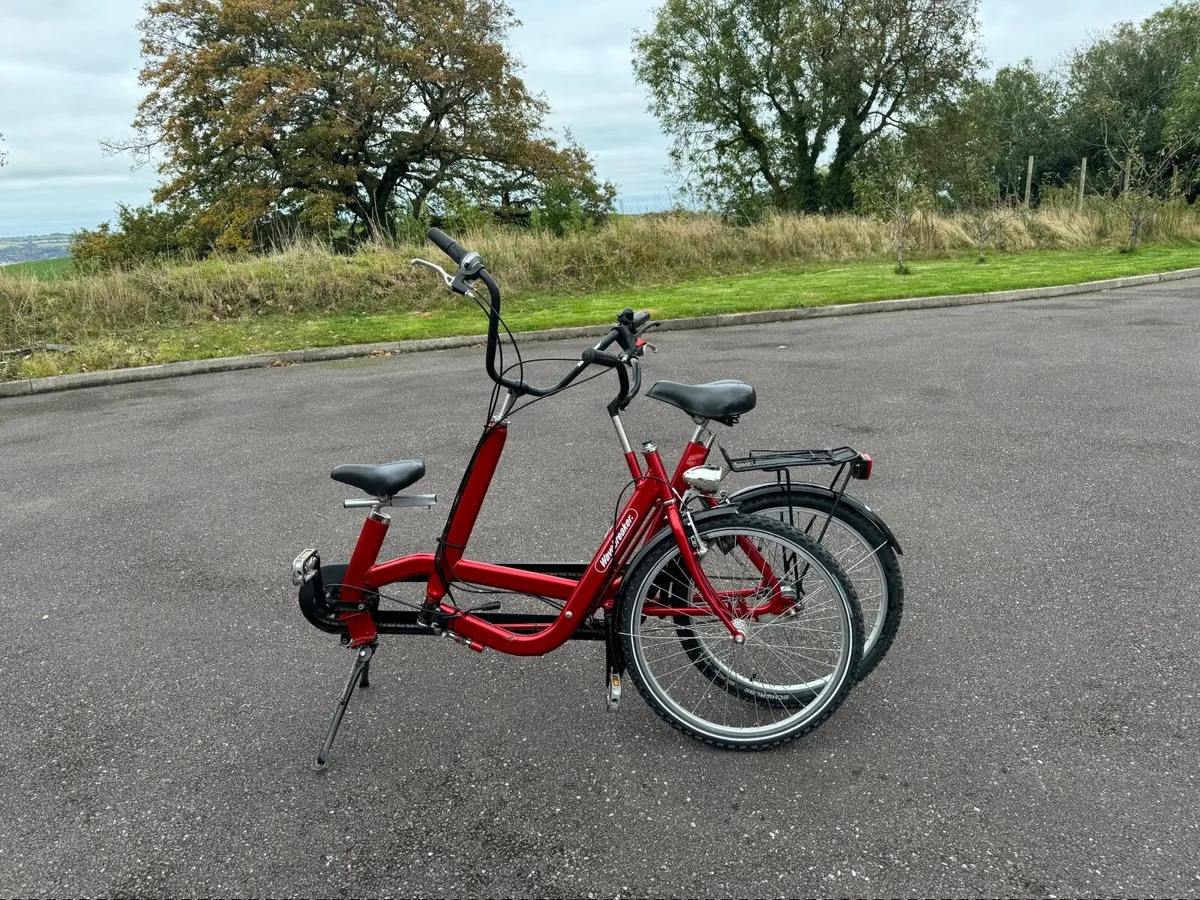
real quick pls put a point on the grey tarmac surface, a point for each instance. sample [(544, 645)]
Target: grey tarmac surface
[(1034, 730)]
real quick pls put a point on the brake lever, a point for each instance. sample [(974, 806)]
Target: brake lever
[(449, 280)]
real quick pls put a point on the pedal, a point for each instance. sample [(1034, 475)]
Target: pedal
[(305, 567), (614, 690)]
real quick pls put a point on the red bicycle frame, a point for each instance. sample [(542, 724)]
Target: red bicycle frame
[(653, 505)]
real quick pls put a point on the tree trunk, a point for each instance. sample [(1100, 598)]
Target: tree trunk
[(1134, 232), (839, 183)]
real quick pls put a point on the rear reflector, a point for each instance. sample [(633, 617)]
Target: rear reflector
[(863, 467)]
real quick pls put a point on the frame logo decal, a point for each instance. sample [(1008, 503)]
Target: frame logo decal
[(618, 539)]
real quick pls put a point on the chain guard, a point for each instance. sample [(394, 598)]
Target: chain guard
[(321, 611)]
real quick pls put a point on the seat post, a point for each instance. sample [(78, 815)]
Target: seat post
[(701, 431)]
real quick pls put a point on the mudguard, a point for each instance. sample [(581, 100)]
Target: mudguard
[(755, 492)]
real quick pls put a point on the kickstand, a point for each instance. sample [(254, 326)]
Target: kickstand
[(358, 676), (614, 666)]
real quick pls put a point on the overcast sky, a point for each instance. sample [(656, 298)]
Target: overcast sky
[(68, 77)]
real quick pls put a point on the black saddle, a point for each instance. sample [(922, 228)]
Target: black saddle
[(381, 481), (721, 400)]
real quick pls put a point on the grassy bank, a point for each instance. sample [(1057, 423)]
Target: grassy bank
[(438, 314)]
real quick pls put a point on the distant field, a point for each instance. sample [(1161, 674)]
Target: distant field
[(46, 268)]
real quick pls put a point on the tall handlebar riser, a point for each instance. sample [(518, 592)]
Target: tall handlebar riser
[(625, 333)]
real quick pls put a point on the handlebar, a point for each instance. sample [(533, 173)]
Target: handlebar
[(447, 244), (627, 332)]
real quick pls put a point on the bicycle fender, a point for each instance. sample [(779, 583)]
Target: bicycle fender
[(754, 492)]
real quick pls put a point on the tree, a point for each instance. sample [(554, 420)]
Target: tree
[(1132, 80), (892, 185), (1182, 129), (984, 138), (985, 219), (756, 93), (338, 113), (1016, 116), (143, 234), (1135, 187)]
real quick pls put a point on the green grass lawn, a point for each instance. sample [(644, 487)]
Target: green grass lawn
[(799, 287), (46, 268)]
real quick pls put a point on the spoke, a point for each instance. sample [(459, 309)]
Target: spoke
[(861, 560), (690, 662), (704, 696)]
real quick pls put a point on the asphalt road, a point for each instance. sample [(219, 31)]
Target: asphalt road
[(1034, 731)]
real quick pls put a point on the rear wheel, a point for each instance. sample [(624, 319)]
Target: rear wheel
[(859, 546), (789, 597)]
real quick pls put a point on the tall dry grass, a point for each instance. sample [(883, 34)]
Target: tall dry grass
[(306, 278)]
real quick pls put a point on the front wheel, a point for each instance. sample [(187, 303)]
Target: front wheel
[(789, 597)]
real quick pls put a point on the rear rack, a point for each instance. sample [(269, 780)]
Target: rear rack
[(781, 460)]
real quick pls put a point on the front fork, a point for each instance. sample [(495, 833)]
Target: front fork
[(690, 554), (614, 660)]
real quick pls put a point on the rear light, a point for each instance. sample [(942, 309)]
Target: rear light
[(863, 466)]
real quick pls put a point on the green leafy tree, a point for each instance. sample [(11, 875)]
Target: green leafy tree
[(1182, 116), (143, 234), (1016, 115), (1136, 80), (757, 93), (983, 139), (328, 113)]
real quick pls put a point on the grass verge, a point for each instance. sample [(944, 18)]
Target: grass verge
[(814, 285)]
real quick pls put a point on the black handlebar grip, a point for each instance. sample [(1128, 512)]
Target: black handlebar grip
[(592, 355), (448, 245)]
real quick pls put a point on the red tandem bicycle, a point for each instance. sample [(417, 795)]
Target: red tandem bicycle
[(743, 631)]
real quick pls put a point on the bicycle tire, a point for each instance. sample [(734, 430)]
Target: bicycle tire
[(814, 646), (860, 547)]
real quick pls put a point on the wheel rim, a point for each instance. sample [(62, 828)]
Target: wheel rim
[(857, 556), (792, 666)]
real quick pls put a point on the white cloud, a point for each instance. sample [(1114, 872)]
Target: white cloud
[(68, 77)]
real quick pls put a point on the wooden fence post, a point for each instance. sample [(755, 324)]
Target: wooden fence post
[(1028, 182), (1082, 182)]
